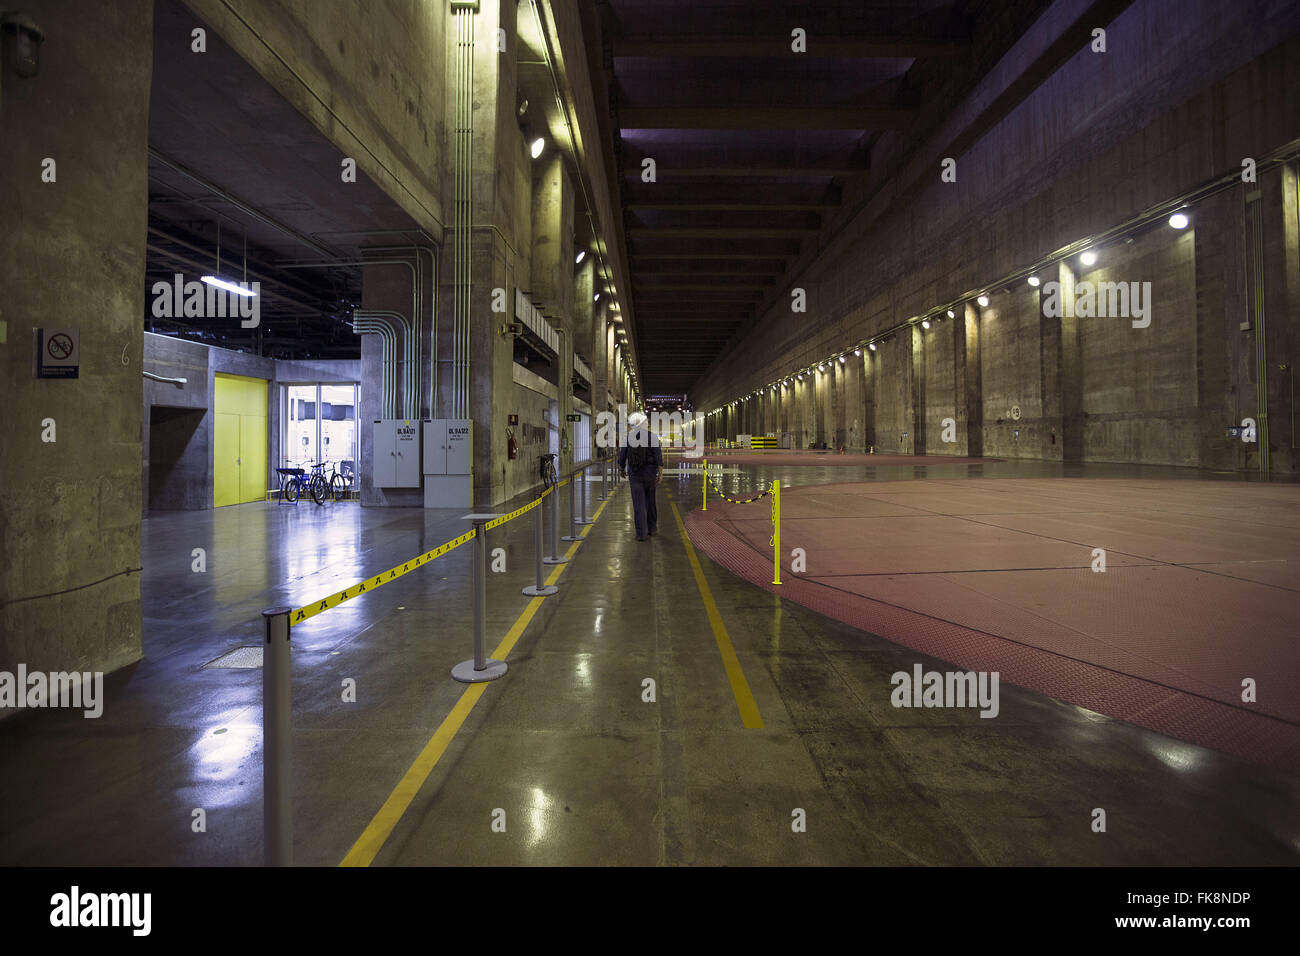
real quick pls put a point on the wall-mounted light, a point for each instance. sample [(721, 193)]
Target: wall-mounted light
[(1088, 258), (1033, 281), (596, 297), (925, 323), (857, 351), (582, 254), (1178, 221), (872, 346), (952, 314), (539, 144), (843, 360), (20, 43), (983, 301)]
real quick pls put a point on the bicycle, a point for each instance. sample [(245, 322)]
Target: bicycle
[(295, 481), (340, 483), (546, 465)]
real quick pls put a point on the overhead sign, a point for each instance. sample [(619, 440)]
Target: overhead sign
[(59, 353)]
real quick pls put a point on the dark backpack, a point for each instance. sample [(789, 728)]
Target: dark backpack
[(637, 457)]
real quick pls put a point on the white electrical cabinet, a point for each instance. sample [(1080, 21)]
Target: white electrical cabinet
[(448, 460), (396, 444)]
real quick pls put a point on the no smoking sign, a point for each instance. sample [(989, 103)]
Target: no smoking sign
[(58, 353)]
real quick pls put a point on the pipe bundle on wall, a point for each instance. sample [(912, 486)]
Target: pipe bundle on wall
[(464, 16)]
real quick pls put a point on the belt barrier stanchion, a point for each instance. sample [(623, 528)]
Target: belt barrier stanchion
[(573, 510), (705, 506), (277, 756), (480, 668), (556, 557), (540, 589), (584, 519), (776, 531), (604, 478)]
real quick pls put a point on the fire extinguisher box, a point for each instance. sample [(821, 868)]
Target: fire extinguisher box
[(448, 460)]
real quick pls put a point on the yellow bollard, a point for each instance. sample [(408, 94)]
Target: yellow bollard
[(706, 485), (776, 531)]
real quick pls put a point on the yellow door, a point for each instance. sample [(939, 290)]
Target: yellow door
[(252, 458), (225, 461), (240, 445)]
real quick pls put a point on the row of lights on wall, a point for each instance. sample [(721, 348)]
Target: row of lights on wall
[(613, 307), (1087, 258), (535, 150)]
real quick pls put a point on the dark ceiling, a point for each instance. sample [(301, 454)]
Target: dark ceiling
[(754, 143), (237, 174)]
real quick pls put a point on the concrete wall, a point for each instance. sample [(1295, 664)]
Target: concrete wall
[(1185, 92), (72, 254), (179, 477), (371, 77)]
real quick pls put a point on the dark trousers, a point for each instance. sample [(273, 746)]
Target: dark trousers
[(644, 508)]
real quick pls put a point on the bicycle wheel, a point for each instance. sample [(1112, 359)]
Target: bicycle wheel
[(291, 490), (338, 488), (318, 489)]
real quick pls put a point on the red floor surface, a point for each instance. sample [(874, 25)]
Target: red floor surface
[(801, 457), (1200, 590)]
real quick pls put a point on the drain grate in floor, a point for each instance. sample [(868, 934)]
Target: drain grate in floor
[(240, 657)]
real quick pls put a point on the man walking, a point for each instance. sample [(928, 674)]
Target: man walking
[(641, 460)]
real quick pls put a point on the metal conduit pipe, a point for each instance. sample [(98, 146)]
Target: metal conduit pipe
[(367, 262), (361, 327), (409, 403), (432, 250), (433, 318), (388, 339), (464, 156)]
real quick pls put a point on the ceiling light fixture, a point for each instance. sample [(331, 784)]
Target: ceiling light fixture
[(1178, 221), (228, 286), (539, 144), (983, 301), (1033, 281), (582, 254), (1088, 258)]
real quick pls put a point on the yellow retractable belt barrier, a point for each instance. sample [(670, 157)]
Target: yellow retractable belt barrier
[(301, 614), (774, 542)]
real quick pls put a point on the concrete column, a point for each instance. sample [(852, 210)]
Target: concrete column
[(72, 255), (971, 400), (1281, 277), (552, 282), (869, 367)]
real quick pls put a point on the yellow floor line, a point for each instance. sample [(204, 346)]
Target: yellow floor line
[(749, 715), (380, 828)]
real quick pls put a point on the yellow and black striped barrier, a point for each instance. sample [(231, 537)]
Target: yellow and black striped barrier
[(301, 614), (763, 441), (775, 491)]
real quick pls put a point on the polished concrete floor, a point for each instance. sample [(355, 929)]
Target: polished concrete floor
[(565, 750)]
